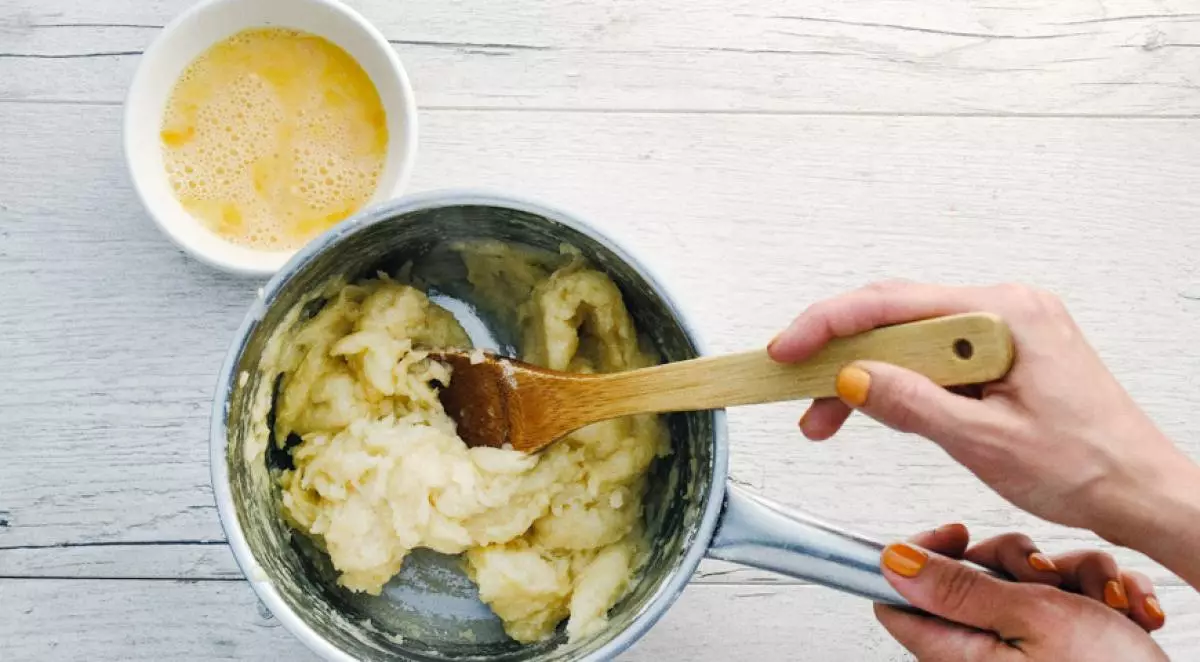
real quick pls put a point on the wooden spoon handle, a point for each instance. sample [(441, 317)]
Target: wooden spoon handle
[(971, 348)]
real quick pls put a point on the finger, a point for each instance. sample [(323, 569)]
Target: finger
[(1016, 555), (824, 418), (1094, 574), (949, 540), (864, 309), (1144, 608), (910, 402), (932, 639), (954, 591)]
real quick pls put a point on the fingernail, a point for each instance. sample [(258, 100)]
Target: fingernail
[(947, 528), (1041, 563), (904, 559), (852, 385), (1154, 609), (1114, 595), (775, 340)]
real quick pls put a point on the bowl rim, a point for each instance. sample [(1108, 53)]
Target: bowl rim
[(226, 256), (671, 587)]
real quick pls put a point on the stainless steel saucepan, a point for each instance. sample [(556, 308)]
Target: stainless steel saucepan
[(431, 611)]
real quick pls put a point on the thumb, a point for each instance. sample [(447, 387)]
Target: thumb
[(907, 401), (958, 592)]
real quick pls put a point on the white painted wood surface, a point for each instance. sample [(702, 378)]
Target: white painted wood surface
[(767, 153), (869, 56), (150, 621)]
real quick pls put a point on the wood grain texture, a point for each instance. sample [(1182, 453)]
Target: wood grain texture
[(496, 401), (764, 155), (202, 561), (109, 395), (66, 620), (729, 380), (1076, 57), (178, 560)]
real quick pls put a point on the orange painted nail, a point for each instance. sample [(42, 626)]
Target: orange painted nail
[(1114, 595), (1154, 609), (1041, 563), (904, 559), (852, 385)]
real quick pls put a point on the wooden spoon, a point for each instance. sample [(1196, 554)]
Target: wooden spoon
[(499, 401)]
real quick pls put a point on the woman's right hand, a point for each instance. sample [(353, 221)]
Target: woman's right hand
[(1058, 437)]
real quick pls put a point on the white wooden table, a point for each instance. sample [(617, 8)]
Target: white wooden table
[(777, 151)]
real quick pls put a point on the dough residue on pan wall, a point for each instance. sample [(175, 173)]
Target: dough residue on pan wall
[(379, 469)]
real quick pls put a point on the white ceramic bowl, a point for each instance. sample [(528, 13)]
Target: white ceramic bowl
[(192, 33)]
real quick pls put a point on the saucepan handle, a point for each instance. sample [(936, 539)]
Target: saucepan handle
[(759, 533)]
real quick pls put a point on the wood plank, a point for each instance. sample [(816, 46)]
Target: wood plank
[(166, 560), (215, 561), (106, 397), (223, 621), (876, 56)]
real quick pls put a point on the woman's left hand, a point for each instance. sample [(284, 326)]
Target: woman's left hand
[(1074, 606)]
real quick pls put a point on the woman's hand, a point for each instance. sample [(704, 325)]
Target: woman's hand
[(1090, 573), (1058, 436), (972, 616)]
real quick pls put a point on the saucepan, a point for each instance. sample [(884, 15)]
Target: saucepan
[(431, 611)]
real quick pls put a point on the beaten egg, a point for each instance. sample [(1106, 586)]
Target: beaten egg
[(272, 136)]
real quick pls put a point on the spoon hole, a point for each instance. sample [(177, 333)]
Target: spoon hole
[(963, 349)]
